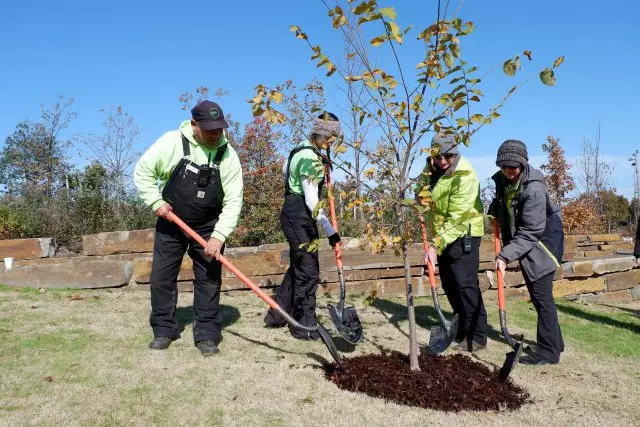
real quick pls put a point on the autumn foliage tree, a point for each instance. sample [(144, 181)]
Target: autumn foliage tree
[(557, 174), (263, 185)]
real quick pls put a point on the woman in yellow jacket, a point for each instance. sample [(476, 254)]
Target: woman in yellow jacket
[(456, 224)]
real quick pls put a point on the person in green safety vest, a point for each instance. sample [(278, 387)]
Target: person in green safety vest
[(456, 224), (299, 218)]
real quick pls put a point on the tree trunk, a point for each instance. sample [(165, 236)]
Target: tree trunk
[(411, 313)]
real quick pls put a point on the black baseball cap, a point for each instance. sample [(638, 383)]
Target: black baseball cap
[(209, 116)]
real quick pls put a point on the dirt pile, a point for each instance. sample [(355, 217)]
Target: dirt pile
[(445, 383)]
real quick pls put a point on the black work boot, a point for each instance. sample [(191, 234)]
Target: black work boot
[(207, 347), (273, 320), (162, 343)]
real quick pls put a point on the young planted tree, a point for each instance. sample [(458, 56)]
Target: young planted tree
[(438, 93)]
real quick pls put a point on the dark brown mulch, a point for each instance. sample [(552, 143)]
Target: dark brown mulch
[(446, 383)]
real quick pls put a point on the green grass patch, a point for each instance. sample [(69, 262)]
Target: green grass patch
[(597, 329)]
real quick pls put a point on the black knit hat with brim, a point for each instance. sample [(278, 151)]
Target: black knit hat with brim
[(512, 153)]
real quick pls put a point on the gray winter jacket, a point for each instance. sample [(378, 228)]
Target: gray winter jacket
[(530, 224)]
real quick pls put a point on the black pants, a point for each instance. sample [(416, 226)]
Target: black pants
[(459, 276), (169, 248), (297, 293), (549, 336)]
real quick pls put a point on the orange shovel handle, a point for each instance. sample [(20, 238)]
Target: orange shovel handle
[(332, 214), (496, 243), (224, 261), (423, 229)]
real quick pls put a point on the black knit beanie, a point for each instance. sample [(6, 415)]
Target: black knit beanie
[(512, 153)]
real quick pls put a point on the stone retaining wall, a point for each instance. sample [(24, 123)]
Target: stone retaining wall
[(124, 259)]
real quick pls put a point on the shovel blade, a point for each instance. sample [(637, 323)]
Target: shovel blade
[(347, 323), (441, 336), (510, 362)]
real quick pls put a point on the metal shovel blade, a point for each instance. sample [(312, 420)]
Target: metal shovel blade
[(347, 323), (511, 361), (441, 336)]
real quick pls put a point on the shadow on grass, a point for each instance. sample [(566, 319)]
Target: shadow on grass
[(426, 317), (230, 315), (598, 318), (629, 311)]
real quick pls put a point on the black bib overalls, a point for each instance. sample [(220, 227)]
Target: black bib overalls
[(297, 293), (196, 197)]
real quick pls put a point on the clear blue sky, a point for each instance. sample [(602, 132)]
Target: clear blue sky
[(142, 55)]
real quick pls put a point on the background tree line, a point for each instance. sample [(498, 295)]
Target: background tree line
[(46, 193)]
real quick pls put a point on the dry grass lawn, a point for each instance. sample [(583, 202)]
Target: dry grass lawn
[(81, 358)]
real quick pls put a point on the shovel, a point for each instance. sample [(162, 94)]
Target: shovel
[(512, 357), (345, 319), (441, 336), (324, 334)]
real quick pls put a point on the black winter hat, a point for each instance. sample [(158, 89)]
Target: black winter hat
[(512, 153)]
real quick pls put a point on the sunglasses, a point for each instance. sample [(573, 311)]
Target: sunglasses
[(444, 156)]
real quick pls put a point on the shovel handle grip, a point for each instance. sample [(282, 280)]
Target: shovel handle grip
[(496, 244), (332, 214), (224, 261)]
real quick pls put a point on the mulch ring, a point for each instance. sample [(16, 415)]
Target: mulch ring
[(445, 383)]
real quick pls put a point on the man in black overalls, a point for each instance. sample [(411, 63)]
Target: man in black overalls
[(201, 181)]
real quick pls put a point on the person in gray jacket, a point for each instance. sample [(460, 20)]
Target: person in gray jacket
[(531, 229)]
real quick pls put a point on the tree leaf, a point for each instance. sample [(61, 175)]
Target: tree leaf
[(527, 53), (558, 61), (389, 12), (332, 69), (363, 7), (340, 149), (377, 41), (455, 50), (448, 59), (509, 68), (352, 78), (276, 96), (547, 77), (477, 118)]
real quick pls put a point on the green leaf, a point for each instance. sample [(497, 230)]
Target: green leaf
[(389, 12), (547, 77), (377, 41), (332, 69), (369, 300), (558, 61), (363, 7), (477, 118), (455, 50), (509, 68), (448, 59)]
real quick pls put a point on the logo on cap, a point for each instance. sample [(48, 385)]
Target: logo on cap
[(214, 113)]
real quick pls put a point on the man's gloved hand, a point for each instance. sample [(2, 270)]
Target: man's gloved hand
[(334, 239)]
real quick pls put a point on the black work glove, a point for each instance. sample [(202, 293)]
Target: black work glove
[(334, 239)]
